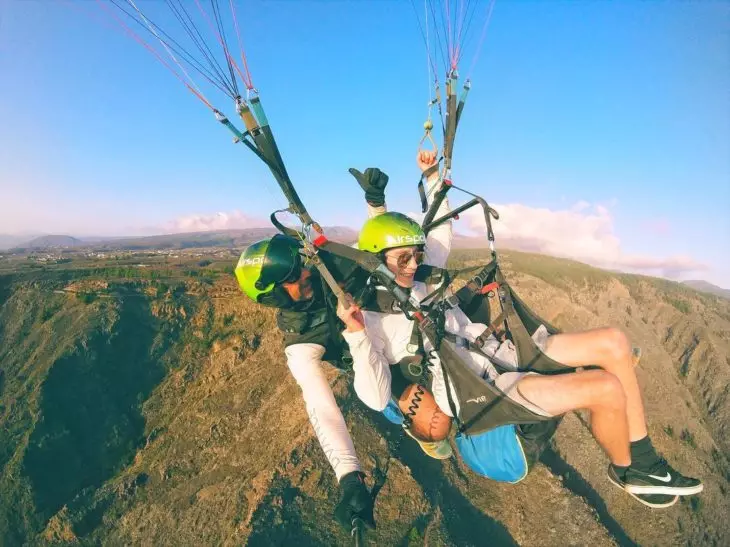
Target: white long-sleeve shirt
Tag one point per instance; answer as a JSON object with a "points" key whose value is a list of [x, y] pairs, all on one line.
{"points": [[386, 337], [305, 363]]}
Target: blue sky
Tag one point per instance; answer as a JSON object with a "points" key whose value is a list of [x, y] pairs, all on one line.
{"points": [[607, 119]]}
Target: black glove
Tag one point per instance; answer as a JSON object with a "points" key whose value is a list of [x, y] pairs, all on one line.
{"points": [[373, 181], [355, 501]]}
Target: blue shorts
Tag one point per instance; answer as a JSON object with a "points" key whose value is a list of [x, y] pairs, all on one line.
{"points": [[496, 454]]}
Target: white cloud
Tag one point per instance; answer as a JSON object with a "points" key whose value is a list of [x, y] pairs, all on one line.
{"points": [[583, 232], [580, 206], [233, 220]]}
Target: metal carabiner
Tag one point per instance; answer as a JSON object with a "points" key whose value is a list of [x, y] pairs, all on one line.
{"points": [[428, 126]]}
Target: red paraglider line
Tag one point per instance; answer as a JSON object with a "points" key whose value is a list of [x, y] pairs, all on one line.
{"points": [[481, 39], [249, 83], [457, 47], [449, 40]]}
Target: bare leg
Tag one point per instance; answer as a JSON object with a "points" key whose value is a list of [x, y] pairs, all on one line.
{"points": [[610, 349], [595, 390]]}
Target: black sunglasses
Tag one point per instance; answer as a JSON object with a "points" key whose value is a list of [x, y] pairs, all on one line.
{"points": [[402, 260]]}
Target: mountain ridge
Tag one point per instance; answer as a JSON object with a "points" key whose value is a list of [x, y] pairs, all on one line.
{"points": [[707, 287]]}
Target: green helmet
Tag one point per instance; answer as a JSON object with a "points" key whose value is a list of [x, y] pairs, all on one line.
{"points": [[388, 231], [266, 263]]}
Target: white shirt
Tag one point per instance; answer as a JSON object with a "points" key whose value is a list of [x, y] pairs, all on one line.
{"points": [[386, 337]]}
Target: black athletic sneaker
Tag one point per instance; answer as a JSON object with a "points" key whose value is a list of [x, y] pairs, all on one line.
{"points": [[661, 479], [657, 501]]}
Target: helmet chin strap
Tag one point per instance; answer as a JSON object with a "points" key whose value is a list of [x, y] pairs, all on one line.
{"points": [[280, 298], [277, 298]]}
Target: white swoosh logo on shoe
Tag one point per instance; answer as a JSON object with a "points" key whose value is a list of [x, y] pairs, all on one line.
{"points": [[666, 478]]}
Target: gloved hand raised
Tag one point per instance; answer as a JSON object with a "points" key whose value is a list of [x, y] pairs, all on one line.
{"points": [[355, 501], [373, 182]]}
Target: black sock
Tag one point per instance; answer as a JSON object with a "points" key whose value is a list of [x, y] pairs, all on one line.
{"points": [[643, 455], [620, 470]]}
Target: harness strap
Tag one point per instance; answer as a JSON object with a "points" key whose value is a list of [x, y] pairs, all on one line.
{"points": [[329, 315], [450, 397], [491, 329], [421, 190], [382, 301]]}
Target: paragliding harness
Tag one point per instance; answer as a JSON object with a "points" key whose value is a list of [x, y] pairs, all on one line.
{"points": [[497, 437], [514, 434], [488, 422]]}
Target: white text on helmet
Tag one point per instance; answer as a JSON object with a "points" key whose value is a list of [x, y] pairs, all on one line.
{"points": [[408, 240], [251, 261]]}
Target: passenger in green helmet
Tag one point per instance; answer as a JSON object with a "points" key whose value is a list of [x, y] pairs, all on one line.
{"points": [[402, 245], [273, 272], [399, 240]]}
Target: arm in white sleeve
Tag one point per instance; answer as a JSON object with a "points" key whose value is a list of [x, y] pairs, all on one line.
{"points": [[305, 364], [438, 242], [372, 369], [374, 211]]}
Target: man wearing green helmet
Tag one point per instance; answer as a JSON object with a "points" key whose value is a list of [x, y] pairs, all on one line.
{"points": [[380, 339], [273, 272]]}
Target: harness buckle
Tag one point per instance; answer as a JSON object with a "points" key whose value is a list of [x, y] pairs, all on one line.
{"points": [[412, 348]]}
